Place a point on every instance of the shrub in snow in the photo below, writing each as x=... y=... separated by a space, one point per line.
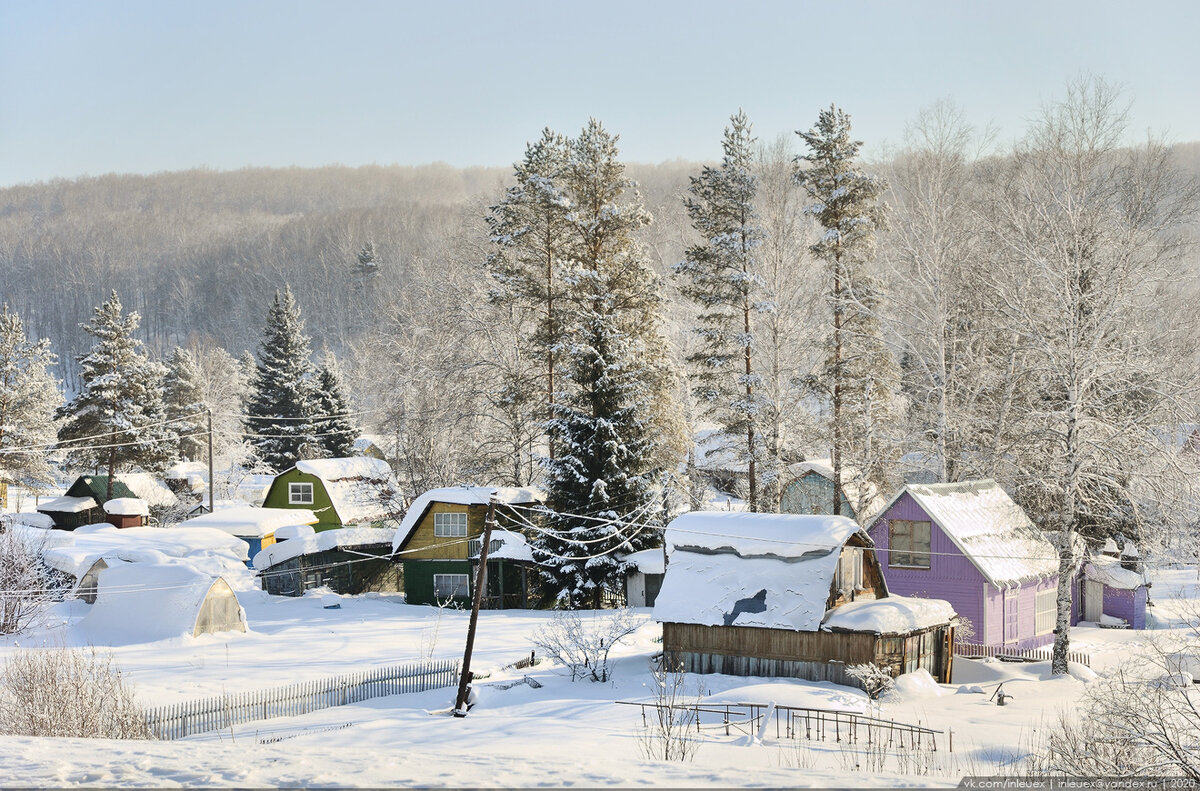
x=583 y=647
x=670 y=732
x=25 y=582
x=67 y=692
x=875 y=680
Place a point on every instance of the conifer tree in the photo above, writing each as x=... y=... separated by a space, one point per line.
x=862 y=377
x=722 y=276
x=183 y=398
x=334 y=429
x=28 y=397
x=280 y=407
x=117 y=420
x=606 y=429
x=530 y=229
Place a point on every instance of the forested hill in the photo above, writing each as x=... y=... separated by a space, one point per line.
x=201 y=252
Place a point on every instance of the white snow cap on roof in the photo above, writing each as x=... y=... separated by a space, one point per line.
x=462 y=495
x=512 y=546
x=766 y=570
x=251 y=521
x=209 y=551
x=1130 y=550
x=892 y=615
x=294 y=531
x=67 y=505
x=646 y=561
x=320 y=542
x=1108 y=571
x=148 y=488
x=127 y=506
x=362 y=489
x=989 y=528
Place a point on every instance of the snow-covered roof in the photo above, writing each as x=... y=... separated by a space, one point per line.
x=512 y=546
x=1109 y=571
x=32 y=519
x=461 y=495
x=250 y=521
x=647 y=561
x=321 y=542
x=186 y=469
x=148 y=488
x=294 y=531
x=67 y=505
x=864 y=496
x=362 y=489
x=989 y=528
x=766 y=570
x=891 y=615
x=210 y=551
x=127 y=506
x=140 y=602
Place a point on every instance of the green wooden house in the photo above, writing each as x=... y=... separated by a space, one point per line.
x=83 y=502
x=439 y=542
x=356 y=491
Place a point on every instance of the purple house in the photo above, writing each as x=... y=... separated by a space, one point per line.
x=970 y=544
x=1115 y=590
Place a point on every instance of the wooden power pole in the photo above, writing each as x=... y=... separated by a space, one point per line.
x=211 y=504
x=460 y=703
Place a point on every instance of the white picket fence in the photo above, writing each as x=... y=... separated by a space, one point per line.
x=183 y=719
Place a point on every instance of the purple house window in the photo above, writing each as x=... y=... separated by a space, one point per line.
x=908 y=543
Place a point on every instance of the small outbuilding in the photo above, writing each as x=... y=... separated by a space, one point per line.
x=138 y=602
x=82 y=503
x=644 y=576
x=350 y=560
x=790 y=595
x=1115 y=590
x=357 y=491
x=127 y=512
x=256 y=526
x=810 y=491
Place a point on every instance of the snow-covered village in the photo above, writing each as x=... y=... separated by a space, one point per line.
x=528 y=394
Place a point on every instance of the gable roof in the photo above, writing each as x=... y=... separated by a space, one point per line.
x=991 y=530
x=362 y=489
x=141 y=485
x=460 y=495
x=860 y=494
x=772 y=571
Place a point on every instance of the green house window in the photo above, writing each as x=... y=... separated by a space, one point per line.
x=450 y=525
x=300 y=494
x=451 y=586
x=908 y=543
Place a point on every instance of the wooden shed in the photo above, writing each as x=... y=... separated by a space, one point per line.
x=790 y=595
x=350 y=560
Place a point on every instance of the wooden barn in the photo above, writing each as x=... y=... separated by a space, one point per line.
x=970 y=544
x=439 y=542
x=357 y=491
x=790 y=595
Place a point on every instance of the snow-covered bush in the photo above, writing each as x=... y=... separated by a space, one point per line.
x=67 y=692
x=583 y=647
x=670 y=731
x=25 y=583
x=875 y=680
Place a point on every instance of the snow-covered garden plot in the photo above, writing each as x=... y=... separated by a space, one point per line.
x=519 y=735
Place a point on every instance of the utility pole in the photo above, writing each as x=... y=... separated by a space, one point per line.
x=460 y=703
x=210 y=463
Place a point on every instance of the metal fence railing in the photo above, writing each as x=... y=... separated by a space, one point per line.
x=210 y=714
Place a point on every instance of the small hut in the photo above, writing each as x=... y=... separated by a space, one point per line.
x=349 y=560
x=127 y=512
x=644 y=576
x=1115 y=590
x=256 y=526
x=794 y=596
x=140 y=602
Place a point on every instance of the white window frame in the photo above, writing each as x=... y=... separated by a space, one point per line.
x=1047 y=611
x=457 y=585
x=1012 y=615
x=450 y=524
x=910 y=557
x=300 y=493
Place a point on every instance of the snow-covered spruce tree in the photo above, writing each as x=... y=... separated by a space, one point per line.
x=117 y=420
x=281 y=399
x=530 y=230
x=28 y=397
x=860 y=378
x=1087 y=243
x=183 y=398
x=608 y=428
x=721 y=274
x=333 y=427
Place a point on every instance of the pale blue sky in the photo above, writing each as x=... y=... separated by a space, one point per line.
x=101 y=86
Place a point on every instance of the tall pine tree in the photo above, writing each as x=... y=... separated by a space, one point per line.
x=280 y=408
x=600 y=484
x=861 y=375
x=117 y=420
x=333 y=427
x=723 y=278
x=531 y=230
x=183 y=398
x=28 y=397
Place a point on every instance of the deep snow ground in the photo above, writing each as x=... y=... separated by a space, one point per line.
x=561 y=734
